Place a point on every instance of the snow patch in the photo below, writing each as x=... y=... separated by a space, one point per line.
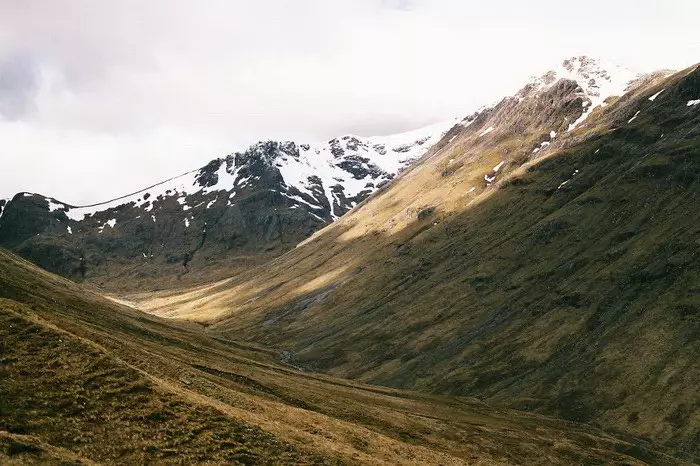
x=634 y=117
x=567 y=181
x=693 y=102
x=4 y=207
x=653 y=98
x=487 y=131
x=597 y=80
x=111 y=223
x=55 y=205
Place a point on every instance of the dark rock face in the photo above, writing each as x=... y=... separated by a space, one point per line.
x=160 y=233
x=553 y=109
x=360 y=167
x=208 y=175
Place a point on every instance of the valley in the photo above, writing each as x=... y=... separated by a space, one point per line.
x=519 y=286
x=111 y=385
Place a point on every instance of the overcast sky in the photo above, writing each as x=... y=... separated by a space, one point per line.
x=99 y=98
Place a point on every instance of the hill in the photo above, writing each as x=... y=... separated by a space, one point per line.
x=86 y=380
x=543 y=257
x=231 y=214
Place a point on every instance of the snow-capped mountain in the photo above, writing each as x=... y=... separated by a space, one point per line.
x=262 y=201
x=597 y=80
x=326 y=178
x=256 y=204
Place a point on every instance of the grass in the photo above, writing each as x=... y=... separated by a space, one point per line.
x=85 y=379
x=577 y=300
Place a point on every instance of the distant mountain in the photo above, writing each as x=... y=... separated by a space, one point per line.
x=234 y=212
x=543 y=256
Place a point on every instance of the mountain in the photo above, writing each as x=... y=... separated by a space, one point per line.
x=543 y=256
x=87 y=381
x=233 y=213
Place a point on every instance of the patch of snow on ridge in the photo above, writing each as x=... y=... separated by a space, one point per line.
x=598 y=81
x=55 y=205
x=634 y=117
x=225 y=180
x=111 y=224
x=693 y=102
x=487 y=131
x=323 y=161
x=3 y=207
x=653 y=98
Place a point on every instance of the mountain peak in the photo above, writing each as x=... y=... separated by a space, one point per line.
x=598 y=80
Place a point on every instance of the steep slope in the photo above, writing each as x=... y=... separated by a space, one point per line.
x=235 y=212
x=86 y=380
x=530 y=265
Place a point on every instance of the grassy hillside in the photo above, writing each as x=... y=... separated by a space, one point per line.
x=85 y=380
x=568 y=285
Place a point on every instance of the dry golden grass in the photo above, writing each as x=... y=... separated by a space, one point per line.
x=86 y=379
x=579 y=302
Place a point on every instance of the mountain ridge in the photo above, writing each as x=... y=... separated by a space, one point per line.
x=539 y=276
x=255 y=204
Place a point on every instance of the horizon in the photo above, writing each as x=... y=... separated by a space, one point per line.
x=98 y=103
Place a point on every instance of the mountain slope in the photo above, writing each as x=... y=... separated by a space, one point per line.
x=235 y=212
x=87 y=380
x=521 y=261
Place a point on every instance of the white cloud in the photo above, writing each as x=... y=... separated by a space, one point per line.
x=129 y=92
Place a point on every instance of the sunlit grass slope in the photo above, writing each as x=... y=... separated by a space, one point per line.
x=568 y=285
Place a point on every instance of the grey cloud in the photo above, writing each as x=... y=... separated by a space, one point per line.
x=18 y=86
x=104 y=86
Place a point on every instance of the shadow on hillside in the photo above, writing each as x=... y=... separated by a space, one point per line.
x=577 y=299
